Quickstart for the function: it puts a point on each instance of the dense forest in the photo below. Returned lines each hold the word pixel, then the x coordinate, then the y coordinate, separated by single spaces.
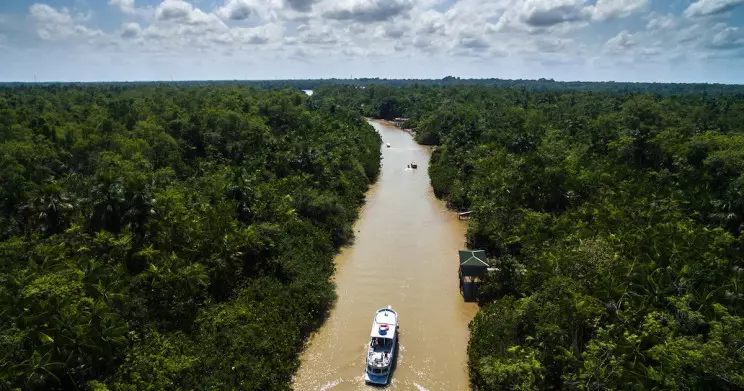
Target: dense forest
pixel 157 237
pixel 531 85
pixel 615 220
pixel 540 85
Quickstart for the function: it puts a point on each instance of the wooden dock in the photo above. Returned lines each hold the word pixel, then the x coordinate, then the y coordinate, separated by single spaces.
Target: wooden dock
pixel 464 215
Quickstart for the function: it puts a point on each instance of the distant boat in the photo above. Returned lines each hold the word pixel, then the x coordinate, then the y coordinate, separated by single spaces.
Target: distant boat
pixel 414 165
pixel 381 348
pixel 388 145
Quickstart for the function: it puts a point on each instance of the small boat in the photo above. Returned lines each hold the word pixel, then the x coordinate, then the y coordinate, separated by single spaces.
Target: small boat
pixel 388 145
pixel 381 348
pixel 414 165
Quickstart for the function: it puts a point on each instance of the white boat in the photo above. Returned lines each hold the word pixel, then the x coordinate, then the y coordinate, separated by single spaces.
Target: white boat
pixel 388 145
pixel 414 165
pixel 381 348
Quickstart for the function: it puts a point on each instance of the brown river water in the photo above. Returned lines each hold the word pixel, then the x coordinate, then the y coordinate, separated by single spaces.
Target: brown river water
pixel 404 255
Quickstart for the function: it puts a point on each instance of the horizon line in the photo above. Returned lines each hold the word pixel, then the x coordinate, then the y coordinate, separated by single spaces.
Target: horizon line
pixel 550 80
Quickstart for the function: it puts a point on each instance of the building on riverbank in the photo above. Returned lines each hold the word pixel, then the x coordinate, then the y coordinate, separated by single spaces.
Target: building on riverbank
pixel 473 267
pixel 399 122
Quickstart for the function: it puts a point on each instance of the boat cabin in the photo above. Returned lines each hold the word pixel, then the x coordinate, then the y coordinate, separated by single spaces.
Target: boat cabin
pixel 379 344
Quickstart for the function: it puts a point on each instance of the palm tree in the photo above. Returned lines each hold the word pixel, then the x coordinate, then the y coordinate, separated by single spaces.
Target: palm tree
pixel 38 371
pixel 48 207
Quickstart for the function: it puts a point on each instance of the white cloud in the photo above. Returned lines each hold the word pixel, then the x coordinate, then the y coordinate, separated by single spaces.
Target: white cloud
pixel 546 13
pixel 423 43
pixel 661 22
pixel 126 6
pixel 532 16
pixel 129 7
pixel 352 51
pixel 704 40
pixel 321 36
pixel 551 16
pixel 611 9
pixel 58 25
pixel 236 10
pixel 181 12
pixel 621 42
pixel 301 5
pixel 431 22
pixel 393 30
pixel 550 45
pixel 42 13
pixel 472 42
pixel 255 12
pixel 702 8
pixel 728 38
pixel 180 27
pixel 199 17
pixel 690 33
pixel 366 11
pixel 130 30
pixel 173 10
pixel 259 35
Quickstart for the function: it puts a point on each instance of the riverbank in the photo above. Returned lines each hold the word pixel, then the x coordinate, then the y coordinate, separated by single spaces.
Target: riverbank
pixel 391 124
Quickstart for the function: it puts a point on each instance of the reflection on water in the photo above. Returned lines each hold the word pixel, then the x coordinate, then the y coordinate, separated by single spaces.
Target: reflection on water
pixel 404 255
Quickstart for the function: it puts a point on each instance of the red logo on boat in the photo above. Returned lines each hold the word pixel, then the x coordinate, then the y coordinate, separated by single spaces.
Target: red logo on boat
pixel 384 327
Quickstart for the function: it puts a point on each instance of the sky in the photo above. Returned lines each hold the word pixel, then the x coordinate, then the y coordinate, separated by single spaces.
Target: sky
pixel 594 40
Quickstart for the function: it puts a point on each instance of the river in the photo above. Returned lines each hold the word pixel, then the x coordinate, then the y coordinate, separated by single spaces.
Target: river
pixel 404 255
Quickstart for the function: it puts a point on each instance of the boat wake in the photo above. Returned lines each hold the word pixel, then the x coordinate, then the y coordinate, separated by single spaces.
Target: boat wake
pixel 420 387
pixel 331 384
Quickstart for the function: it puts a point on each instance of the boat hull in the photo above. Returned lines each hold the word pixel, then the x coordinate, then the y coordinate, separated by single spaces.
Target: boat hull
pixel 376 379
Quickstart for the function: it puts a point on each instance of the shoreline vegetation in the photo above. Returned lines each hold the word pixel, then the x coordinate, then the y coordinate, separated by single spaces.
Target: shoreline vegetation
pixel 615 219
pixel 170 236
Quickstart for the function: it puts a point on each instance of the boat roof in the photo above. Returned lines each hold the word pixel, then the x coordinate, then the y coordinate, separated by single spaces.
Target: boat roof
pixel 384 316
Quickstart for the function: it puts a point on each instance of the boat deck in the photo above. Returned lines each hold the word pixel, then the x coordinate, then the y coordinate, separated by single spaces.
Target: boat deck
pixel 380 355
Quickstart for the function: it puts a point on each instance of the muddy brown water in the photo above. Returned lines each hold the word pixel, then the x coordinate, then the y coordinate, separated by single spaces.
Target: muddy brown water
pixel 404 255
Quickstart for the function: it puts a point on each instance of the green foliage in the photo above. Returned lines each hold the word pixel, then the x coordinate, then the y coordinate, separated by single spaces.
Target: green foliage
pixel 540 85
pixel 518 370
pixel 615 220
pixel 160 236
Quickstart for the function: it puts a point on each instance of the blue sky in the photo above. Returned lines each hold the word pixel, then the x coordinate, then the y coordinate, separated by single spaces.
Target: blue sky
pixel 623 40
